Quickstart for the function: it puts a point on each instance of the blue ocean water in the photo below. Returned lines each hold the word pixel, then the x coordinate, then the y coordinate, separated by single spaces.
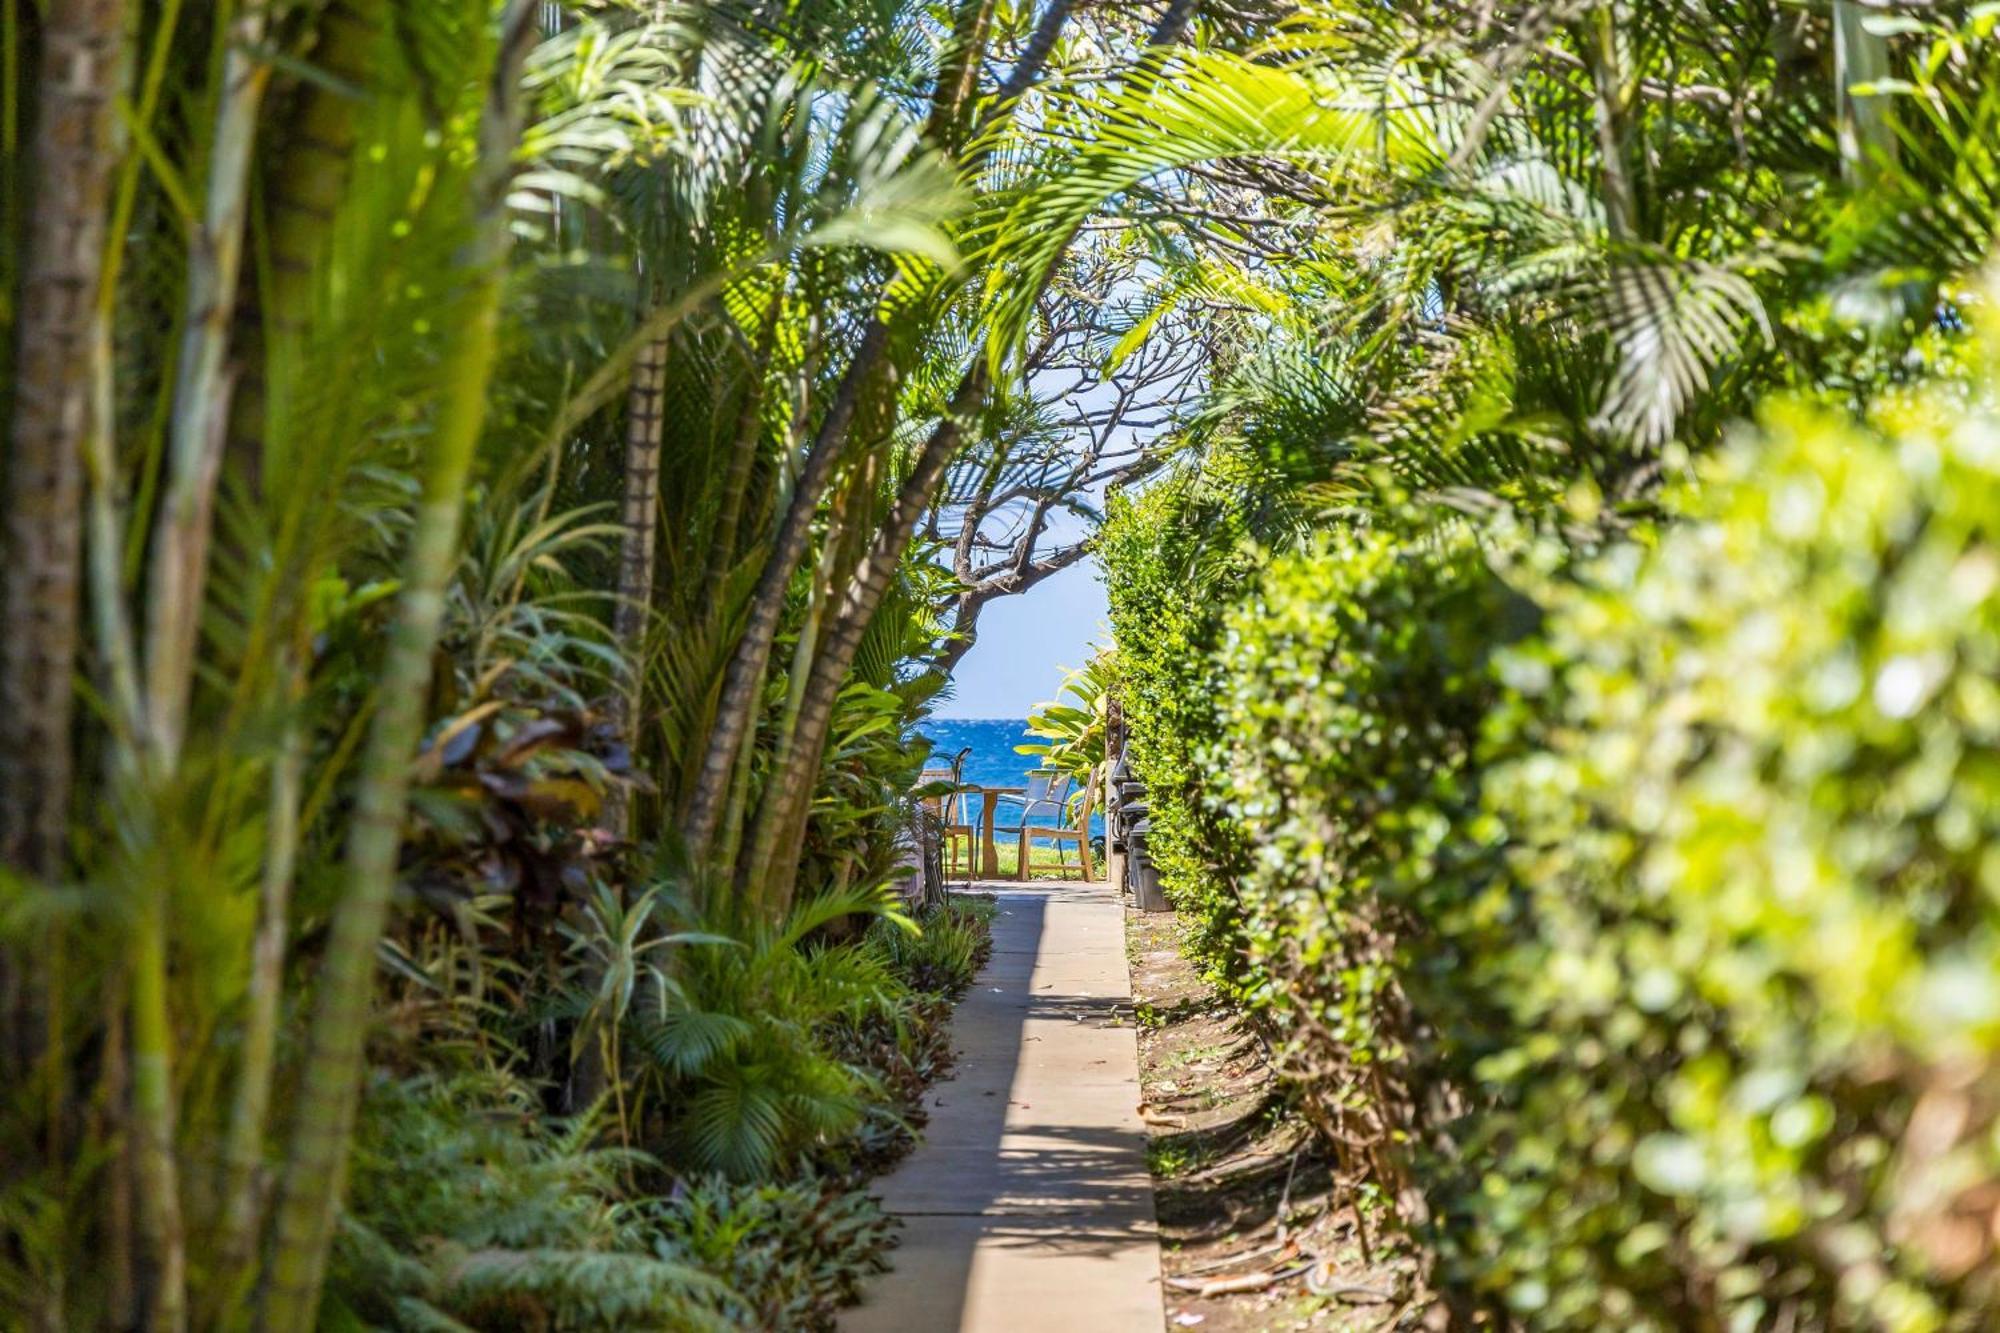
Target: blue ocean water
pixel 993 762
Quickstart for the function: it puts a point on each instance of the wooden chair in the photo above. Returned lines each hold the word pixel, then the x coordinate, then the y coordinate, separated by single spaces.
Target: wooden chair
pixel 1079 834
pixel 1048 793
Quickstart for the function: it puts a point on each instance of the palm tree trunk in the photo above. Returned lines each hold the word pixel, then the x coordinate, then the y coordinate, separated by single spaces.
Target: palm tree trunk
pixel 641 515
pixel 178 572
pixel 59 418
pixel 743 681
pixel 121 1286
pixel 55 335
pixel 958 78
pixel 730 851
pixel 309 1200
pixel 1028 67
pixel 837 560
pixel 630 618
pixel 155 1173
pixel 793 784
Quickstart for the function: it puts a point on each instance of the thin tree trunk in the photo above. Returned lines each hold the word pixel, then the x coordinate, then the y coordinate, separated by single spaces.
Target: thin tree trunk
pixel 958 78
pixel 730 851
pixel 56 331
pixel 631 617
pixel 743 680
pixel 1033 56
pixel 178 574
pixel 641 515
pixel 155 1173
pixel 1173 23
pixel 1599 43
pixel 837 560
pixel 121 1295
pixel 309 1200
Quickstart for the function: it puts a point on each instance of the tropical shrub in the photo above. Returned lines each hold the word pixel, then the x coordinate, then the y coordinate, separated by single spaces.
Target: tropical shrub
pixel 793 1254
pixel 731 1056
pixel 1072 735
pixel 941 956
pixel 468 1210
pixel 903 1050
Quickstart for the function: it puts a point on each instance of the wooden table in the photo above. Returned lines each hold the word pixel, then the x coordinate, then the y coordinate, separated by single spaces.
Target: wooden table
pixel 989 851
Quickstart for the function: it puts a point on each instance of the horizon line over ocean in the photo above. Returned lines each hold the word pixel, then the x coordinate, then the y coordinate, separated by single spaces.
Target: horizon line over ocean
pixel 993 761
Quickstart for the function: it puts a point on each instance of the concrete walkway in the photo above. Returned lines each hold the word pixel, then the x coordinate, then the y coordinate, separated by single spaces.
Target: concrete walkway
pixel 1027 1208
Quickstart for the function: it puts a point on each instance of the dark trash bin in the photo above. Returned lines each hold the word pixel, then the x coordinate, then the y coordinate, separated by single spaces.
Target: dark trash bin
pixel 1142 876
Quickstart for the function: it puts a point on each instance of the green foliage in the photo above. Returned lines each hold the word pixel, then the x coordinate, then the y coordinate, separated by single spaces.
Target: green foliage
pixel 945 951
pixel 1631 909
pixel 1073 734
pixel 731 1056
pixel 1166 645
pixel 469 1211
pixel 1355 687
pixel 1747 813
pixel 903 1050
pixel 794 1253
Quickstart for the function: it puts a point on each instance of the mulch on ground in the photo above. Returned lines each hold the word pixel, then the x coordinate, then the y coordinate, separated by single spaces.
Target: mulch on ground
pixel 1254 1234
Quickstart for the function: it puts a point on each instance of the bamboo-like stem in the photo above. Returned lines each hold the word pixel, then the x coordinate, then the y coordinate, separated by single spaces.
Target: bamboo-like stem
pixel 155 1173
pixel 630 617
pixel 56 328
pixel 306 182
pixel 729 841
pixel 178 573
pixel 743 451
pixel 1599 44
pixel 958 77
pixel 196 428
pixel 309 1200
pixel 115 643
pixel 121 1295
pixel 1867 135
pixel 730 848
pixel 243 1150
pixel 61 418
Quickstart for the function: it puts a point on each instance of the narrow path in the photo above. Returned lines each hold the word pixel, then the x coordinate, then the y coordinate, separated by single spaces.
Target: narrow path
pixel 1028 1208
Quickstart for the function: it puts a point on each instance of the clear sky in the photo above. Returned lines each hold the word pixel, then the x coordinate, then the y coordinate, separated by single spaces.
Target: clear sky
pixel 1026 641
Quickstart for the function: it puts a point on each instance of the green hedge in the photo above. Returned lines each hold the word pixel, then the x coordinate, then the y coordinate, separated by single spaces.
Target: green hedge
pixel 1649 953
pixel 1170 688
